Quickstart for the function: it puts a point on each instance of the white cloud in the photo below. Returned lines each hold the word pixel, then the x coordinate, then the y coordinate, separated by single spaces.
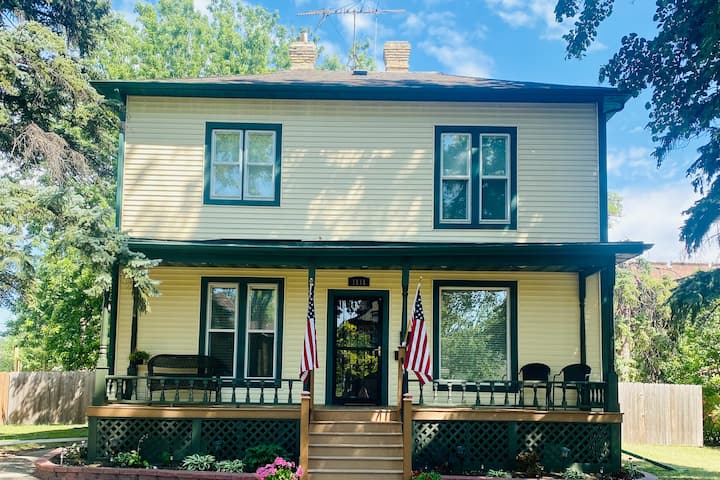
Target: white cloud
pixel 531 13
pixel 636 163
pixel 655 216
pixel 452 46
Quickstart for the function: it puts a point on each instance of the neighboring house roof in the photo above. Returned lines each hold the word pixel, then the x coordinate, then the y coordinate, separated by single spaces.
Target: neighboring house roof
pixel 675 271
pixel 399 86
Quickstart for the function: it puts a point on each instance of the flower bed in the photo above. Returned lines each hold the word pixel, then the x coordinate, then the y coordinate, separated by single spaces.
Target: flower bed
pixel 46 469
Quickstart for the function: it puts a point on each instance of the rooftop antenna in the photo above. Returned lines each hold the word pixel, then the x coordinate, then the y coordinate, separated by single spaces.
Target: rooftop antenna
pixel 354 11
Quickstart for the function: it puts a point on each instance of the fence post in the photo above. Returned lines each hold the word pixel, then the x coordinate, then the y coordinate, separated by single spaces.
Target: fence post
pixel 407 427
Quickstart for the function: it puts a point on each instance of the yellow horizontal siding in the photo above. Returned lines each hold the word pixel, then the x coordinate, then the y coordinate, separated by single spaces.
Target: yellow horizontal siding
pixel 354 170
pixel 548 314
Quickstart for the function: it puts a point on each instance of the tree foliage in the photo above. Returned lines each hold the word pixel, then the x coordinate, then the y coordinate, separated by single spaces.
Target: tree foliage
pixel 643 323
pixel 173 40
pixel 57 154
pixel 681 65
pixel 80 22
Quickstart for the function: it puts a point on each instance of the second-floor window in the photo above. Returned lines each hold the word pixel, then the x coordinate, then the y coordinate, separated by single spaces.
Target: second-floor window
pixel 475 177
pixel 242 163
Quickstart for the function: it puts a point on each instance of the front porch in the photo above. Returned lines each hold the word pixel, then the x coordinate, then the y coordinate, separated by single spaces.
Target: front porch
pixel 454 426
pixel 545 303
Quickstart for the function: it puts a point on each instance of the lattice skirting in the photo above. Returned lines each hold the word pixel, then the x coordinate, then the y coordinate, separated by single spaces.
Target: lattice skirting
pixel 159 438
pixel 461 446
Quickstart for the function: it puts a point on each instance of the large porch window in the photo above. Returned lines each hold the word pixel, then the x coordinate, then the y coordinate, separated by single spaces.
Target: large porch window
pixel 241 326
pixel 475 330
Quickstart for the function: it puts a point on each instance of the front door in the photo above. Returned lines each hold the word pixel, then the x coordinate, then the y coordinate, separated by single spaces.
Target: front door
pixel 357 332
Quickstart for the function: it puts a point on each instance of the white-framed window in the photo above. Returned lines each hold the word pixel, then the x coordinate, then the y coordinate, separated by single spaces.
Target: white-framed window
pixel 222 325
pixel 242 326
pixel 261 331
pixel 475 177
pixel 475 330
pixel 243 164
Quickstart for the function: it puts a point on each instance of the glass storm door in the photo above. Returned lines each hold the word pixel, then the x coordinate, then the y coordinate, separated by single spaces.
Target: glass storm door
pixel 357 332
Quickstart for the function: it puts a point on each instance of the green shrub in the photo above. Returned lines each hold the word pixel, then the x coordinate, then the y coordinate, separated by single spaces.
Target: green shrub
pixel 529 464
pixel 199 463
pixel 75 454
pixel 131 459
pixel 427 476
pixel 233 466
pixel 261 455
pixel 571 473
pixel 498 474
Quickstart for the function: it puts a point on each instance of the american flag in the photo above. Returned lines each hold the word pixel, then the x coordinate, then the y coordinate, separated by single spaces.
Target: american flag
pixel 309 356
pixel 417 357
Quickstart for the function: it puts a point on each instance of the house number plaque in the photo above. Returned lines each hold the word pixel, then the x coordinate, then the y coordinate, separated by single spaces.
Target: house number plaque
pixel 358 281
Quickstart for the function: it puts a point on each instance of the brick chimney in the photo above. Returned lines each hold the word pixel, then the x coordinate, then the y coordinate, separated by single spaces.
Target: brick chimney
pixel 396 56
pixel 303 54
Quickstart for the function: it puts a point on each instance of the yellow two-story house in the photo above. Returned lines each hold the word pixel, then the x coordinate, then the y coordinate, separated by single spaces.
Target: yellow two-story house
pixel 490 195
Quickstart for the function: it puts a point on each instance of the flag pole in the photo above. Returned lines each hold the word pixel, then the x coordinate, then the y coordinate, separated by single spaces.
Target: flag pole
pixel 408 319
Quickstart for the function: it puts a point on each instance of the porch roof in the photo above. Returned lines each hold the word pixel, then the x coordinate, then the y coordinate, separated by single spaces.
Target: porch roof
pixel 585 257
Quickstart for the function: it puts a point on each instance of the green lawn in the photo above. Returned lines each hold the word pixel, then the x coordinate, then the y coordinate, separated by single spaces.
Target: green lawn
pixel 32 432
pixel 692 463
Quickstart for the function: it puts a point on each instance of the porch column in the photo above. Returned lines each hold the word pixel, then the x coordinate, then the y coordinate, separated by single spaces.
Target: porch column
pixel 108 314
pixel 582 288
pixel 402 377
pixel 607 284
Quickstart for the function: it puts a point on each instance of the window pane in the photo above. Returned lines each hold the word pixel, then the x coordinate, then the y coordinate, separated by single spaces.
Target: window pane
pixel 263 308
pixel 226 181
pixel 222 315
pixel 494 155
pixel 260 181
pixel 260 355
pixel 455 154
pixel 221 346
pixel 494 199
pixel 227 147
pixel 454 200
pixel 261 147
pixel 473 334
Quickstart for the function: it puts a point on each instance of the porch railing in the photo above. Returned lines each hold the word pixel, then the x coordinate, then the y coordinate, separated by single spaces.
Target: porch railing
pixel 511 394
pixel 176 390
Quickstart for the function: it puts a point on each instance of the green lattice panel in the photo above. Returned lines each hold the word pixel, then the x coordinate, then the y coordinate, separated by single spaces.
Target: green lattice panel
pixel 125 434
pixel 460 446
pixel 587 443
pixel 230 438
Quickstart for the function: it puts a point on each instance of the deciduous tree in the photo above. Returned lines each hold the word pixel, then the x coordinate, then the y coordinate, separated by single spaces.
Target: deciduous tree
pixel 681 66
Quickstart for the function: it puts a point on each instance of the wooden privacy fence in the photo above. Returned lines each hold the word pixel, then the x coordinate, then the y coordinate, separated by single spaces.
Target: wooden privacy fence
pixel 661 414
pixel 45 397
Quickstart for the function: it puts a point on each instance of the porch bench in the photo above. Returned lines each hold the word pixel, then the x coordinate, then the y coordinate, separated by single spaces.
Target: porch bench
pixel 175 372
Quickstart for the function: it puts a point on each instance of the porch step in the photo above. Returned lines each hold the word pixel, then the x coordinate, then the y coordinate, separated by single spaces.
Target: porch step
pixel 356 414
pixel 355 444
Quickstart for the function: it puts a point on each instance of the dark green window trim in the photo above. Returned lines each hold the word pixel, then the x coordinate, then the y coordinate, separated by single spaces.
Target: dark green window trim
pixel 475 181
pixel 240 346
pixel 207 192
pixel 513 330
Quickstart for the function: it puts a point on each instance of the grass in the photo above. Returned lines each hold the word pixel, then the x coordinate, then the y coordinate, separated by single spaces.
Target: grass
pixel 692 463
pixel 33 432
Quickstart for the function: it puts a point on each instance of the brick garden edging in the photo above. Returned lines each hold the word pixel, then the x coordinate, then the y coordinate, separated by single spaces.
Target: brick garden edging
pixel 45 469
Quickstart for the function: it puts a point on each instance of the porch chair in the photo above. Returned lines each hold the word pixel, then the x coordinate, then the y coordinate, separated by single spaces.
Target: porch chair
pixel 535 375
pixel 572 376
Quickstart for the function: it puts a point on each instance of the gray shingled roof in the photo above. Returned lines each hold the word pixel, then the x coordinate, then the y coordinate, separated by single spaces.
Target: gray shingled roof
pixel 400 86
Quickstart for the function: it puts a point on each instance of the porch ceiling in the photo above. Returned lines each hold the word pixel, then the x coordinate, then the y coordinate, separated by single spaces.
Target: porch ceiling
pixel 556 257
